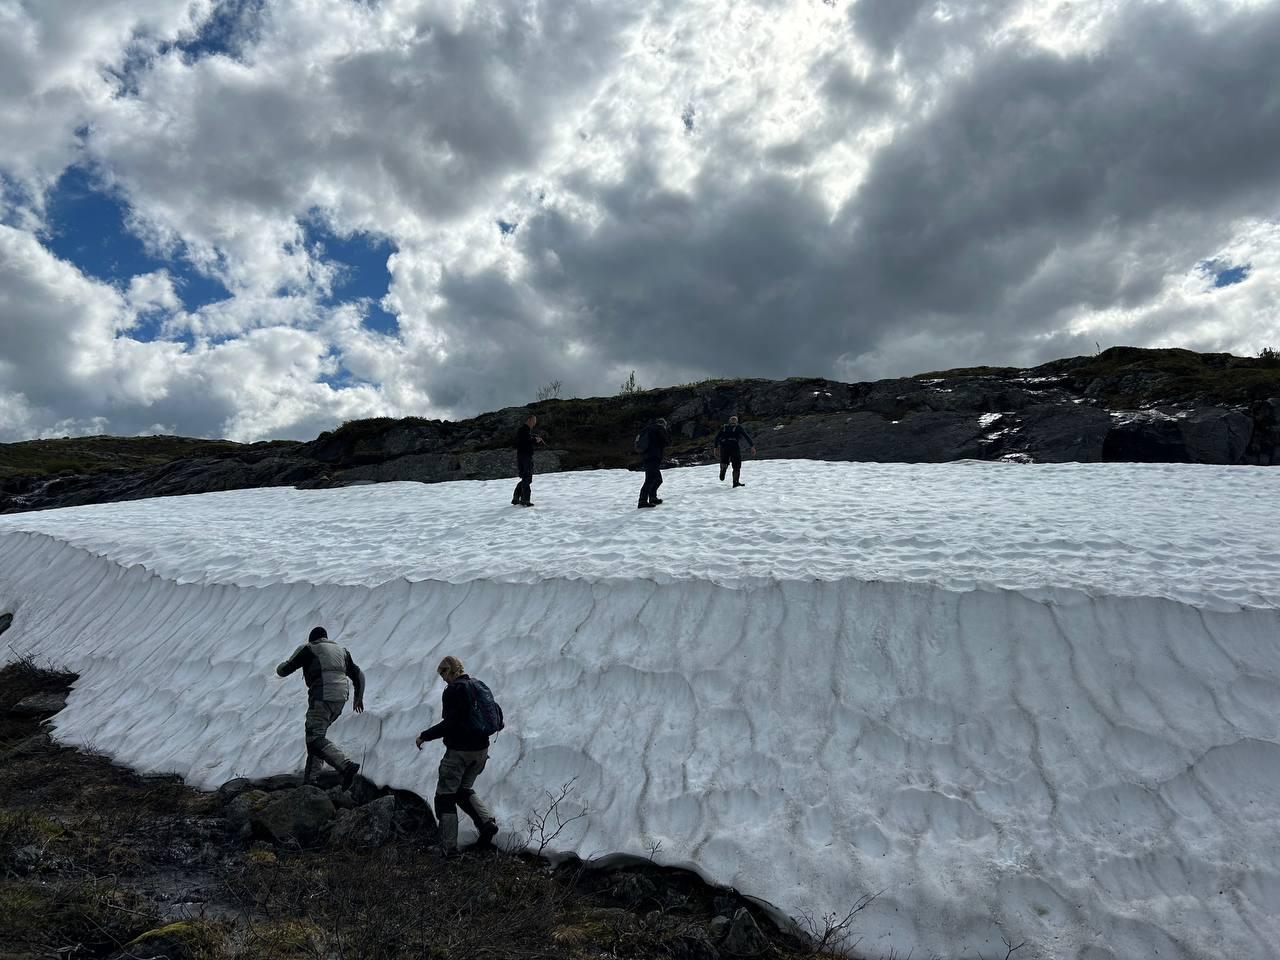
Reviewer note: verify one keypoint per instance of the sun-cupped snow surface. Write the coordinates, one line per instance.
(1201, 534)
(1033, 702)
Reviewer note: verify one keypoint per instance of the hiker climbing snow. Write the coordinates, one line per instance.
(729, 446)
(470, 717)
(327, 668)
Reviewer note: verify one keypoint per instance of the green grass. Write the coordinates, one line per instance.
(1127, 376)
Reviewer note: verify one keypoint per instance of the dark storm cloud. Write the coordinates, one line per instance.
(1031, 189)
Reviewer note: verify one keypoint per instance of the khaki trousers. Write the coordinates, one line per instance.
(320, 749)
(455, 788)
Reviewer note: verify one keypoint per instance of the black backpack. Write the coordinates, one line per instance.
(642, 441)
(486, 715)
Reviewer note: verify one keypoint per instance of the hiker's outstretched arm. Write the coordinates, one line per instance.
(356, 675)
(293, 663)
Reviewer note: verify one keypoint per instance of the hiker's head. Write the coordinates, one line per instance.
(318, 633)
(450, 669)
(662, 421)
(531, 420)
(733, 421)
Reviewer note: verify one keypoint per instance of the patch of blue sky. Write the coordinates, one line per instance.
(231, 26)
(1225, 274)
(226, 31)
(1232, 275)
(362, 275)
(507, 227)
(87, 225)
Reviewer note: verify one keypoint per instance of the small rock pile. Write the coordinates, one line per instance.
(282, 810)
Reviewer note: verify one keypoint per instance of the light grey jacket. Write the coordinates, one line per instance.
(326, 667)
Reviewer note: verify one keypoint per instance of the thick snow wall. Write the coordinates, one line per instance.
(1099, 776)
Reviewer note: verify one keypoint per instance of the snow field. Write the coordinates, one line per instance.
(1050, 713)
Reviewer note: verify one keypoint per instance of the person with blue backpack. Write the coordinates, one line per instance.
(470, 716)
(651, 444)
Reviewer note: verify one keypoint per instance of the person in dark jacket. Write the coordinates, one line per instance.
(656, 437)
(466, 750)
(526, 441)
(729, 445)
(326, 667)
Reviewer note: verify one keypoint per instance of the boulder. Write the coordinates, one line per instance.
(744, 938)
(278, 781)
(369, 826)
(1144, 436)
(232, 789)
(1216, 435)
(1264, 442)
(297, 816)
(243, 806)
(412, 812)
(1050, 433)
(40, 704)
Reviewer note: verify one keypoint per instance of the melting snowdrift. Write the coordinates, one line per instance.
(1037, 701)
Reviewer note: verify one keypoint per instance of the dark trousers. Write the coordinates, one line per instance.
(652, 481)
(524, 467)
(730, 453)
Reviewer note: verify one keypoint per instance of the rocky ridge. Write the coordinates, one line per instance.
(1126, 404)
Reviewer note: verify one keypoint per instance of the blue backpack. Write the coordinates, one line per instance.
(486, 715)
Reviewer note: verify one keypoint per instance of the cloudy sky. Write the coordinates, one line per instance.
(258, 218)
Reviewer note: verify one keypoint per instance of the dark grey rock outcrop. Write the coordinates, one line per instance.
(1123, 405)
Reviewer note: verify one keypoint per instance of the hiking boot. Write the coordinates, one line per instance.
(488, 830)
(642, 506)
(526, 503)
(654, 502)
(349, 774)
(739, 484)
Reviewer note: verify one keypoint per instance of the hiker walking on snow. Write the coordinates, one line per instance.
(327, 667)
(651, 443)
(470, 717)
(728, 445)
(525, 443)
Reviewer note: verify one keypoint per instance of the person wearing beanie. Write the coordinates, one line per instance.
(327, 668)
(651, 445)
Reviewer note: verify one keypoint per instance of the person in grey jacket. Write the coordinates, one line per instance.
(327, 668)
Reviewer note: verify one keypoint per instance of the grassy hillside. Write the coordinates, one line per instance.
(81, 455)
